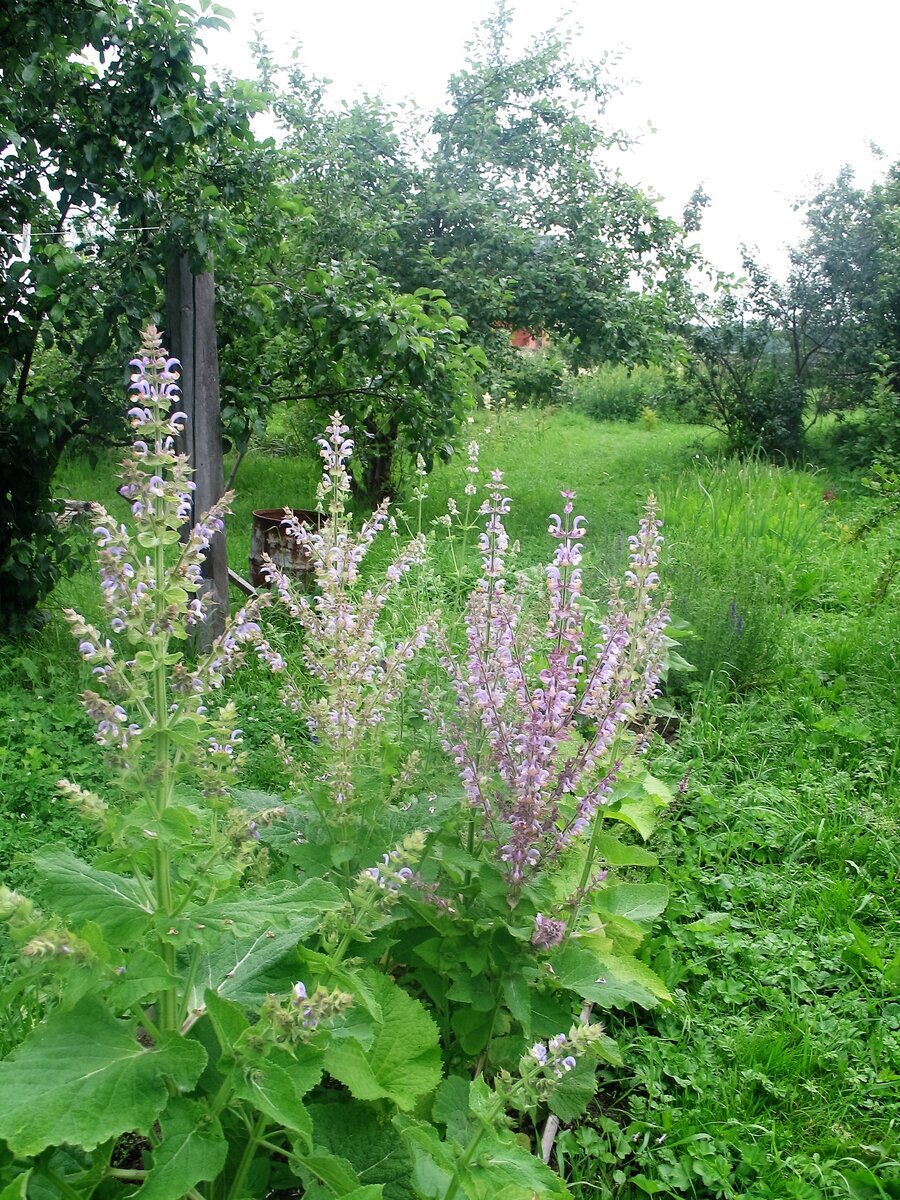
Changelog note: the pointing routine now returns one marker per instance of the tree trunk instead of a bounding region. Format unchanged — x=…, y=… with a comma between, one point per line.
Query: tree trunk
x=190, y=317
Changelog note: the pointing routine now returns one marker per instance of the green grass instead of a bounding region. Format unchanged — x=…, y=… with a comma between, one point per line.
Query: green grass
x=776, y=1072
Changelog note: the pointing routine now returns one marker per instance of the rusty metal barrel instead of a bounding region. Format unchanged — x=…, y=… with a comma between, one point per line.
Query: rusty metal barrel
x=268, y=536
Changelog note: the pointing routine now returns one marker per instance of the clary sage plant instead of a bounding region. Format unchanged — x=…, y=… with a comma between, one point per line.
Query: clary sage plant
x=369, y=986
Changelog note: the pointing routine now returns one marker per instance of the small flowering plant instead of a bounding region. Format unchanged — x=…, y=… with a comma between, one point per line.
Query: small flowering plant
x=547, y=728
x=543, y=733
x=352, y=665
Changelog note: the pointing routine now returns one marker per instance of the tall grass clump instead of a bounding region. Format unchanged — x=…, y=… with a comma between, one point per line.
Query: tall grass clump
x=741, y=532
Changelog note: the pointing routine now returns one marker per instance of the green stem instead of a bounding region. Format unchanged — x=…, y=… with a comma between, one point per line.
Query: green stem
x=243, y=1170
x=57, y=1180
x=188, y=985
x=162, y=868
x=148, y=1024
x=469, y=1152
x=125, y=1173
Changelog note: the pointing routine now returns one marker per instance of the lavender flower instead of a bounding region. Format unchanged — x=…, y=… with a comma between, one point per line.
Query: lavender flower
x=548, y=932
x=357, y=675
x=152, y=586
x=533, y=746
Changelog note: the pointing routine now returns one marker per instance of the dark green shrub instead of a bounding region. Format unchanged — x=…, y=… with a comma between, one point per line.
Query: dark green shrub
x=533, y=378
x=617, y=393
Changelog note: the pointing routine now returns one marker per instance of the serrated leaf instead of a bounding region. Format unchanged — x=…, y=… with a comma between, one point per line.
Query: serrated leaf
x=403, y=1063
x=504, y=1169
x=609, y=980
x=336, y=1173
x=81, y=894
x=633, y=901
x=82, y=1078
x=661, y=792
x=193, y=1150
x=574, y=1092
x=272, y=1091
x=369, y=1142
x=143, y=975
x=640, y=813
x=281, y=905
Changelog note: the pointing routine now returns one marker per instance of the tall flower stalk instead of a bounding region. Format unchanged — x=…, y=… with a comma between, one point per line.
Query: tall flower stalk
x=542, y=731
x=356, y=676
x=152, y=707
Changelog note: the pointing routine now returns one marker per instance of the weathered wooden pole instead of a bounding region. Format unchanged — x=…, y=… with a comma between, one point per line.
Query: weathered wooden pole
x=191, y=334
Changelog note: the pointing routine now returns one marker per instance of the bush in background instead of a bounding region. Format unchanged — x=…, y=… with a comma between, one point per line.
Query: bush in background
x=617, y=393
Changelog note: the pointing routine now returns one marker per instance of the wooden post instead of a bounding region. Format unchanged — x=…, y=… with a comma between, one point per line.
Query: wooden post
x=191, y=335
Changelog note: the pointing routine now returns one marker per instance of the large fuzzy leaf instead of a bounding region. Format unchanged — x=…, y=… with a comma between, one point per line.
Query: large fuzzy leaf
x=370, y=1143
x=275, y=906
x=81, y=894
x=193, y=1150
x=612, y=981
x=634, y=901
x=273, y=1091
x=238, y=970
x=403, y=1062
x=83, y=1077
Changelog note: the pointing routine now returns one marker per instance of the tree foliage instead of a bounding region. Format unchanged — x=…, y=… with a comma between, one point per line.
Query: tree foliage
x=370, y=259
x=101, y=104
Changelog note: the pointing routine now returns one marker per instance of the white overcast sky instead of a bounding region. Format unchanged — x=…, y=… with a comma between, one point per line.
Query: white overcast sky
x=752, y=99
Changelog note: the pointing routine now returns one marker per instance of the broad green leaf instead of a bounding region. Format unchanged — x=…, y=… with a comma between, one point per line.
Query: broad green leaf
x=272, y=1091
x=634, y=901
x=518, y=994
x=712, y=922
x=281, y=905
x=574, y=1092
x=335, y=1172
x=619, y=936
x=504, y=1170
x=433, y=1160
x=18, y=1189
x=370, y=1143
x=82, y=1078
x=143, y=974
x=608, y=980
x=81, y=894
x=623, y=854
x=473, y=1029
x=403, y=1063
x=451, y=1108
x=193, y=1150
x=650, y=1187
x=661, y=792
x=640, y=813
x=227, y=1019
x=238, y=969
x=369, y=1191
